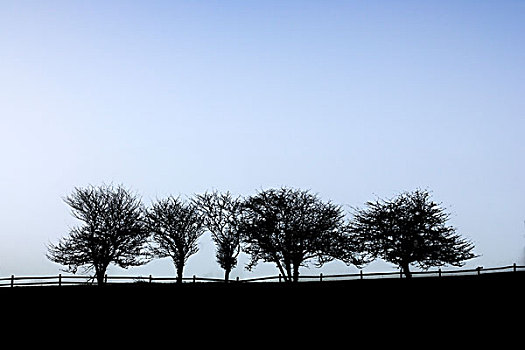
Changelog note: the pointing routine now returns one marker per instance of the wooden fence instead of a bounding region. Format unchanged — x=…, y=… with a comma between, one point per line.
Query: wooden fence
x=61, y=280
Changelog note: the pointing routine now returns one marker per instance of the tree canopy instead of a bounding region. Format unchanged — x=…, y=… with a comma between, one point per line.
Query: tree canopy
x=113, y=231
x=409, y=229
x=175, y=227
x=222, y=213
x=289, y=227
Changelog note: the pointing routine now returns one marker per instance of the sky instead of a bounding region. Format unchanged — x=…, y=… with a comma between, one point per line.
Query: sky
x=352, y=100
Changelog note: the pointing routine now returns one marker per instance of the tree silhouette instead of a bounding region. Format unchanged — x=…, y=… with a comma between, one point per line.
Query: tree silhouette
x=176, y=227
x=409, y=229
x=222, y=216
x=289, y=227
x=113, y=231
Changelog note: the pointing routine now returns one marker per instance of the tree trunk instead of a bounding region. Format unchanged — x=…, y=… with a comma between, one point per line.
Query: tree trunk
x=100, y=274
x=227, y=274
x=406, y=270
x=180, y=269
x=288, y=277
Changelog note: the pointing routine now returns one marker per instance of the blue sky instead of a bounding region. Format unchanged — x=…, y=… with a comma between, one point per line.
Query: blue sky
x=349, y=99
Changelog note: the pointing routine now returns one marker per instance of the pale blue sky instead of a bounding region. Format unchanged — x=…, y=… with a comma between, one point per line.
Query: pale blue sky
x=350, y=99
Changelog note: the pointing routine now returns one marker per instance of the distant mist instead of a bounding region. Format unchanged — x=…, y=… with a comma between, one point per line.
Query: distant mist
x=522, y=259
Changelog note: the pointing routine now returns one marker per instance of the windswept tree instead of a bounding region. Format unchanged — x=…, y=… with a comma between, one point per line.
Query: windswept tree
x=222, y=213
x=112, y=231
x=289, y=227
x=410, y=229
x=176, y=227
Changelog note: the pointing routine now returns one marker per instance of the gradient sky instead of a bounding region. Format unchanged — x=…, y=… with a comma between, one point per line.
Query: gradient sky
x=350, y=99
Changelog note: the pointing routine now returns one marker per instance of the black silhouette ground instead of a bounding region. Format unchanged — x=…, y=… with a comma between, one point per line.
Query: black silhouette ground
x=384, y=311
x=367, y=295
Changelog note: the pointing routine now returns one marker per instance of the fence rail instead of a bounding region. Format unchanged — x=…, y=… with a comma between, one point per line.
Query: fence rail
x=61, y=280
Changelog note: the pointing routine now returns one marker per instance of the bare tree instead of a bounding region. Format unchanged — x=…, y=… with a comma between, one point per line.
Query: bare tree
x=409, y=229
x=176, y=227
x=222, y=213
x=113, y=231
x=289, y=227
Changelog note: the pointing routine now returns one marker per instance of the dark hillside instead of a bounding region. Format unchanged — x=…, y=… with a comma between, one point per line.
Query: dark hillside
x=494, y=289
x=329, y=311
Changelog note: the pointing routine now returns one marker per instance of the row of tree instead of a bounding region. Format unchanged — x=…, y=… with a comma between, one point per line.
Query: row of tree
x=287, y=227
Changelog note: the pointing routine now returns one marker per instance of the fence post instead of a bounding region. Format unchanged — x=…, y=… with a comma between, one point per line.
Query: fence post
x=439, y=272
x=150, y=278
x=361, y=274
x=514, y=267
x=194, y=279
x=106, y=278
x=321, y=277
x=479, y=270
x=237, y=279
x=60, y=280
x=401, y=273
x=279, y=278
x=12, y=280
